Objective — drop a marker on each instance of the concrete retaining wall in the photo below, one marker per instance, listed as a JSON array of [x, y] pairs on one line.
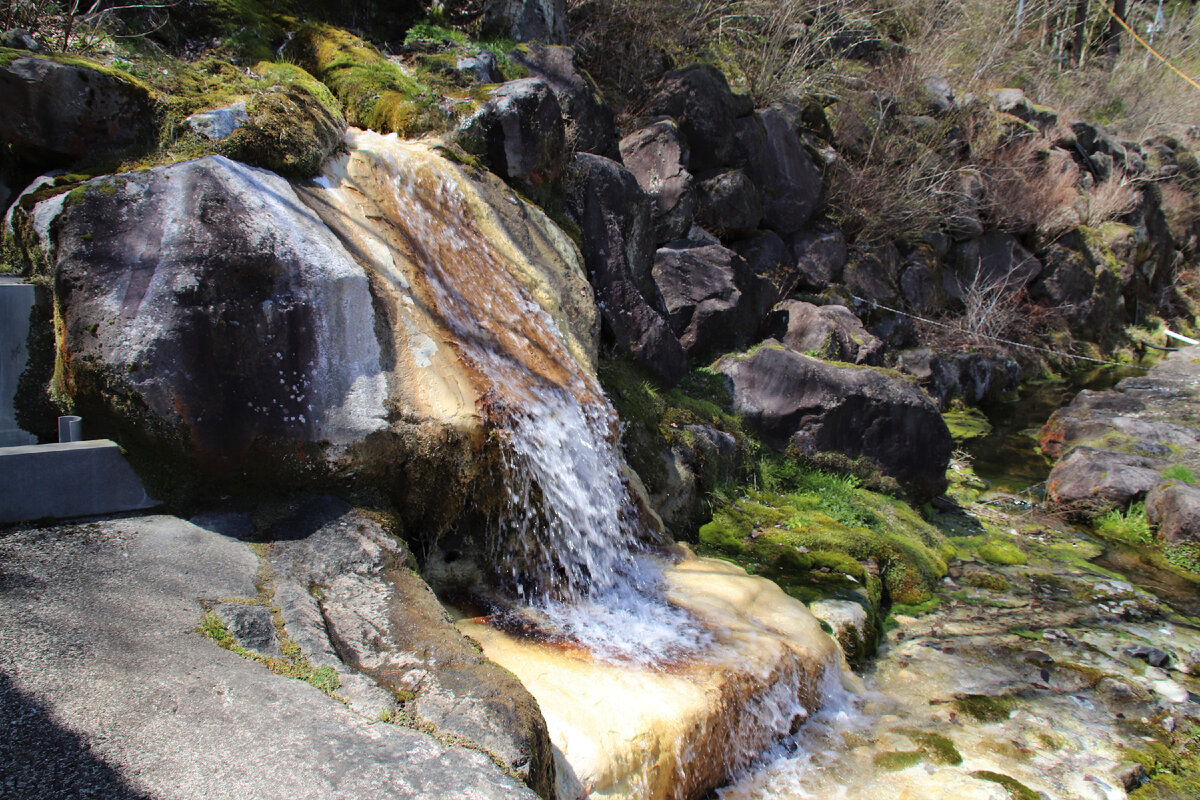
[[67, 480], [16, 301]]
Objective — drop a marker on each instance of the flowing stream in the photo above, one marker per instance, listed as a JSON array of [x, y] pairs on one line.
[[888, 742]]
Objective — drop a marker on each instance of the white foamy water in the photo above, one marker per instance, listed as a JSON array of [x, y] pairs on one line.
[[808, 764]]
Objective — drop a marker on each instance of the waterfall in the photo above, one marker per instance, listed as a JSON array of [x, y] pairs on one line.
[[572, 535]]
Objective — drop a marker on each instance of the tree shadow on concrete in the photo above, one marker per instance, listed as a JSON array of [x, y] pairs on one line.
[[42, 760]]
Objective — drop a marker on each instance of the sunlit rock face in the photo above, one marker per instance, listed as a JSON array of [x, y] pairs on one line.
[[678, 728], [493, 328], [206, 301], [481, 293]]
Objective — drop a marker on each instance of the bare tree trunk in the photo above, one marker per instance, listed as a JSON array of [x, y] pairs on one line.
[[1113, 39], [1081, 10]]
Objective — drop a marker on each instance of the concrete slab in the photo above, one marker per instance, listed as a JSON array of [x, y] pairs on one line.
[[67, 480], [108, 692], [16, 301]]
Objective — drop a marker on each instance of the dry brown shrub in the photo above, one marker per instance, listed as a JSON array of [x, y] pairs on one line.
[[1028, 186], [1111, 199]]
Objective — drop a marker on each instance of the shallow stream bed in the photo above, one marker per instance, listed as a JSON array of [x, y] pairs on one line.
[[1071, 675]]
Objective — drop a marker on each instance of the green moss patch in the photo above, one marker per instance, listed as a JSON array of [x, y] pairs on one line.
[[986, 580], [937, 749], [894, 761], [816, 521], [986, 707], [967, 423], [999, 551], [1016, 789], [378, 93]]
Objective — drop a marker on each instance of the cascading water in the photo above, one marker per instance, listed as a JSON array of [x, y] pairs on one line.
[[572, 536], [666, 675]]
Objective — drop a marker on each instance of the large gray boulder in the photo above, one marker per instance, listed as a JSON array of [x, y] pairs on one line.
[[107, 688], [207, 313], [57, 113], [1089, 480], [714, 302], [519, 133], [657, 155], [794, 399], [590, 124], [613, 216], [377, 617], [829, 332], [699, 99], [1175, 508], [788, 182]]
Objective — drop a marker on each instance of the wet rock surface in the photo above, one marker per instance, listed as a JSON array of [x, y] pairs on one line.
[[1147, 429], [1053, 677]]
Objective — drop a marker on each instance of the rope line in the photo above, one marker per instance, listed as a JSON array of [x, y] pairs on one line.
[[956, 329], [1148, 46]]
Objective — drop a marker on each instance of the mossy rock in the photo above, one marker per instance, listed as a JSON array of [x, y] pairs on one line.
[[821, 526], [998, 551], [376, 92], [291, 128], [246, 31], [1016, 789]]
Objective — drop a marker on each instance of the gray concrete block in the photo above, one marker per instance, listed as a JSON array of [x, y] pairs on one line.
[[67, 480], [16, 301]]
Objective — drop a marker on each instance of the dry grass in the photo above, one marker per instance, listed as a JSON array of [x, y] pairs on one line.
[[1111, 199]]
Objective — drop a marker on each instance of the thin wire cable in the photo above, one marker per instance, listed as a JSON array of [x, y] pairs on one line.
[[1147, 45], [956, 329]]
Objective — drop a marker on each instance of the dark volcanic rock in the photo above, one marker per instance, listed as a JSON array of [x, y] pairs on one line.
[[867, 277], [657, 155], [996, 259], [820, 257], [250, 626], [699, 99], [519, 132], [788, 182], [613, 215], [983, 378], [1175, 508], [829, 332], [770, 257], [728, 204], [522, 20], [921, 287], [59, 113], [791, 398], [714, 301], [590, 124], [935, 375], [1089, 480]]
